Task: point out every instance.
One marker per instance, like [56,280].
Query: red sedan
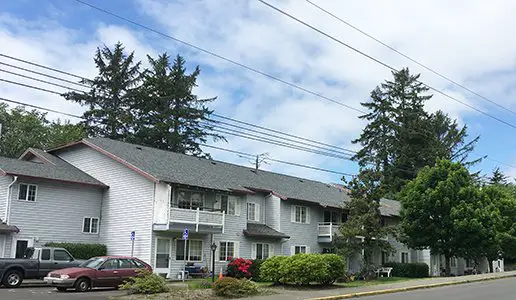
[104,271]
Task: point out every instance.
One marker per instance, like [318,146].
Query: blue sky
[465,40]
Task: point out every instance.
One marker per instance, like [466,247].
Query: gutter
[8,200]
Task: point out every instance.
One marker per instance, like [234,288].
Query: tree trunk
[447,260]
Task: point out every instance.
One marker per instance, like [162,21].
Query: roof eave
[101,185]
[31,151]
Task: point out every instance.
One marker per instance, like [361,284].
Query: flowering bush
[239,268]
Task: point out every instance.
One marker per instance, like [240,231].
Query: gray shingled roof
[57,170]
[183,169]
[262,230]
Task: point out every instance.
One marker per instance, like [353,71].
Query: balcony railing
[327,229]
[197,217]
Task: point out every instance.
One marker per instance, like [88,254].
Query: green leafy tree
[112,96]
[170,115]
[433,204]
[364,231]
[22,129]
[401,137]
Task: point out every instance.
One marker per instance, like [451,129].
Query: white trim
[254,250]
[256,212]
[202,193]
[235,250]
[3,242]
[293,249]
[8,201]
[29,185]
[30,243]
[91,225]
[155,253]
[307,214]
[188,250]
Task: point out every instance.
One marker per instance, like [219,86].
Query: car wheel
[82,285]
[61,289]
[12,279]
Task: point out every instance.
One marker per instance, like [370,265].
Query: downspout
[8,200]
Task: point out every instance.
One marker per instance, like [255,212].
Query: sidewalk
[288,294]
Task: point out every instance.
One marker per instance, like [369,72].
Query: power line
[30,86]
[40,108]
[280,161]
[381,62]
[40,80]
[222,57]
[42,66]
[410,58]
[43,74]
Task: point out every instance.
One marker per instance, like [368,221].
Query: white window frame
[235,250]
[230,199]
[256,211]
[29,185]
[188,250]
[294,214]
[293,250]
[254,250]
[401,257]
[91,225]
[203,198]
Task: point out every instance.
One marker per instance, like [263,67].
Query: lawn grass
[381,280]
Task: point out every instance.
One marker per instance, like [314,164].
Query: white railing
[197,217]
[327,229]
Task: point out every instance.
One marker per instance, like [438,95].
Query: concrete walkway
[292,294]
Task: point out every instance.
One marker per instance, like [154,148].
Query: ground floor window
[404,257]
[262,251]
[226,251]
[299,249]
[328,250]
[385,257]
[193,250]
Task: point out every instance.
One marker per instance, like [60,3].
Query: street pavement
[500,289]
[47,293]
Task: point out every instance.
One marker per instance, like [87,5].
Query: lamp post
[213,248]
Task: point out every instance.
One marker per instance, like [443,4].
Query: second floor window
[300,214]
[190,200]
[331,217]
[229,204]
[27,192]
[253,211]
[90,225]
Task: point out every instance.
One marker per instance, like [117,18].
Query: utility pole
[260,159]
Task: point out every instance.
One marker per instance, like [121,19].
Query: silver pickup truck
[38,262]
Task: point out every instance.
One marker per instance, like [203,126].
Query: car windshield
[93,263]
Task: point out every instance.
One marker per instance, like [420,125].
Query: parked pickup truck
[37,263]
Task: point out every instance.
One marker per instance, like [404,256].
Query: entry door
[19,246]
[162,259]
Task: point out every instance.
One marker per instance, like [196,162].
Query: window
[62,255]
[138,263]
[262,251]
[404,257]
[253,211]
[300,249]
[90,225]
[343,218]
[229,204]
[127,264]
[385,258]
[300,214]
[111,264]
[27,192]
[328,250]
[193,250]
[226,251]
[190,200]
[45,254]
[331,217]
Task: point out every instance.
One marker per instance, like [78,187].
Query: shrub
[410,270]
[230,287]
[303,269]
[239,268]
[81,251]
[255,270]
[145,282]
[269,270]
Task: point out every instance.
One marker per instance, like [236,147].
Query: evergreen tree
[112,96]
[170,116]
[498,177]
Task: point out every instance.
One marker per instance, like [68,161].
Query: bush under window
[145,282]
[81,251]
[410,270]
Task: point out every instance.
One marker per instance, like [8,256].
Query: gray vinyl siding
[272,209]
[57,214]
[300,234]
[127,204]
[4,183]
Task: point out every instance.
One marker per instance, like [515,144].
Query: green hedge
[230,287]
[303,269]
[410,270]
[81,251]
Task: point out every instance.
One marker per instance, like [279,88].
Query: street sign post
[133,237]
[185,238]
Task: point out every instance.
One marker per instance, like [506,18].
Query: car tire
[61,289]
[82,285]
[12,279]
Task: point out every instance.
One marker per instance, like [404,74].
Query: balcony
[326,231]
[196,220]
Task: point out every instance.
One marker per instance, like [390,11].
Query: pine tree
[170,116]
[112,95]
[498,177]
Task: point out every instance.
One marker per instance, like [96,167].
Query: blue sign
[185,234]
[133,235]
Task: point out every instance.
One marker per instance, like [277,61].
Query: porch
[326,231]
[200,219]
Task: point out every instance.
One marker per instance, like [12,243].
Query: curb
[409,288]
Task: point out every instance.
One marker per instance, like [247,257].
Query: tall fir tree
[171,116]
[498,177]
[112,96]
